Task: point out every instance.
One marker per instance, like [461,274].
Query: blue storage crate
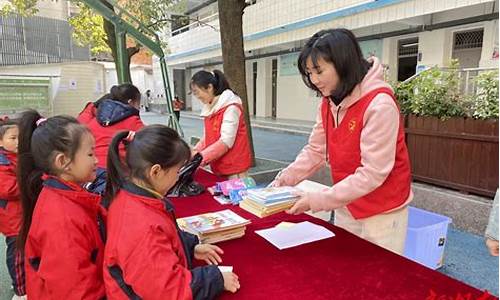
[426,237]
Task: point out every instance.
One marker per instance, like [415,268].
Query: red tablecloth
[342,267]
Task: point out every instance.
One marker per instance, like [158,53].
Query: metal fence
[38,40]
[466,77]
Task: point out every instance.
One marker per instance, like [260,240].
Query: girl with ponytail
[224,145]
[112,113]
[116,111]
[147,256]
[60,236]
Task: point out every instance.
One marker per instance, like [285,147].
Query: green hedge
[436,92]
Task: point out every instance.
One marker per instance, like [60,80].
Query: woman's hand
[492,246]
[276,181]
[209,253]
[302,204]
[231,282]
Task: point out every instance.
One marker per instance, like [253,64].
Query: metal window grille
[468,39]
[408,47]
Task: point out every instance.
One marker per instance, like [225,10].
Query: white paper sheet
[301,233]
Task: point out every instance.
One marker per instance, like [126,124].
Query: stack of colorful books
[215,227]
[231,191]
[267,201]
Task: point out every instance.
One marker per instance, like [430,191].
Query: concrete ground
[466,256]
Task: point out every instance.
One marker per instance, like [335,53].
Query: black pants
[177,114]
[15,265]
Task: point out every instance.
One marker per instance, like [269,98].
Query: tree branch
[197,20]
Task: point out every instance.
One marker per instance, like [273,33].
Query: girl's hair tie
[130,136]
[40,121]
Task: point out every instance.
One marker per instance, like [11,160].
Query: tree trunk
[233,54]
[109,28]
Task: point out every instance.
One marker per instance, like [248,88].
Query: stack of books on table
[270,200]
[215,227]
[231,191]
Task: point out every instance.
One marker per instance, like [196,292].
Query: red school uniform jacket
[10,204]
[147,256]
[106,120]
[64,248]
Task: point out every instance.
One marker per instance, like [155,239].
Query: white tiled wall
[271,14]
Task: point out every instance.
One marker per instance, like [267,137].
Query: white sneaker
[16,297]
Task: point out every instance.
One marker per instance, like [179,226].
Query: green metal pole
[172,120]
[139,33]
[122,57]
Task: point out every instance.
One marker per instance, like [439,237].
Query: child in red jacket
[114,112]
[147,256]
[10,206]
[60,233]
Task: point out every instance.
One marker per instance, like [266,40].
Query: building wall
[249,81]
[432,46]
[264,89]
[53,9]
[389,57]
[436,46]
[294,99]
[270,22]
[490,45]
[80,83]
[72,85]
[141,77]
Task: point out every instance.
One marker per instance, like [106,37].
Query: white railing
[200,34]
[207,21]
[466,76]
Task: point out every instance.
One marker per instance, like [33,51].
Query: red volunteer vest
[238,159]
[345,157]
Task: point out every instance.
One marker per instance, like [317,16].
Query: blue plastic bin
[426,237]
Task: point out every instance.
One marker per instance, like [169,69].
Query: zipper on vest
[337,120]
[326,133]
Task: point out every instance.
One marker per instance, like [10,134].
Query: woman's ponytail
[221,82]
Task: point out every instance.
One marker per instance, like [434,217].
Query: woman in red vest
[359,133]
[225,144]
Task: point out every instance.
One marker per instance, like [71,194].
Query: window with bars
[408,47]
[468,39]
